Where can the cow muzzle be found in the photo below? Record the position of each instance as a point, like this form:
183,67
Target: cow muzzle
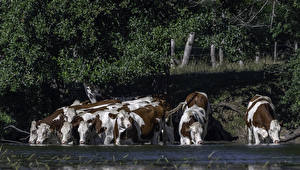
276,141
200,142
82,142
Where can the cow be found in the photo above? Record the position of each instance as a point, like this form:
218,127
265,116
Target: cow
86,121
33,133
90,130
51,125
49,129
149,122
114,118
260,120
194,120
113,124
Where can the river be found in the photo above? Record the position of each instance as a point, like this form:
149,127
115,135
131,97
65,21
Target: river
150,157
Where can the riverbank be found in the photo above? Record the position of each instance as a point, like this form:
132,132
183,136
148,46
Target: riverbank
229,92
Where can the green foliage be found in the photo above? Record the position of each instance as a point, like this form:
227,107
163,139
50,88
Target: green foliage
48,46
291,99
5,118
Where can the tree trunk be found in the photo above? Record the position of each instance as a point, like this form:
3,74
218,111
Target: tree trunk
273,13
275,51
296,46
257,57
188,49
212,55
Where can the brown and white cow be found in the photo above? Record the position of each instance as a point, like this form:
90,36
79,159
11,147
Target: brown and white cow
143,112
87,122
48,129
148,122
193,123
51,126
119,121
260,119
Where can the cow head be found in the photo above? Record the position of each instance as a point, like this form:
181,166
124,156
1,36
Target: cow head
66,131
43,133
123,120
274,131
69,113
83,130
33,133
196,130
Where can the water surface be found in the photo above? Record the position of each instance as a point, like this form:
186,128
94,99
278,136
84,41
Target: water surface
214,156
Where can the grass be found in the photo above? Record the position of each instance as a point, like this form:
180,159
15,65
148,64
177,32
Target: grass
195,67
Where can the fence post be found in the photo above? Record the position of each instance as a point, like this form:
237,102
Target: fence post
275,51
212,55
257,57
173,62
221,54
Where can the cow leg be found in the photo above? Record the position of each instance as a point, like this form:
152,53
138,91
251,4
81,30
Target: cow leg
118,141
169,130
157,131
250,131
256,136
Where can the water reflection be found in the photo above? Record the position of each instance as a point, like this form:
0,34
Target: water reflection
149,157
189,167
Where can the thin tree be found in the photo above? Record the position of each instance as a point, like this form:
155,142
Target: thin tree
188,49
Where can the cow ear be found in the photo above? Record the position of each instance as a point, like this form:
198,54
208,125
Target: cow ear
33,125
281,123
38,123
131,119
113,116
76,121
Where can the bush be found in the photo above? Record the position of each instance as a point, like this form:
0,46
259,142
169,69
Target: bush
291,99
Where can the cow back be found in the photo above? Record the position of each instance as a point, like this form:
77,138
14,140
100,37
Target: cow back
197,98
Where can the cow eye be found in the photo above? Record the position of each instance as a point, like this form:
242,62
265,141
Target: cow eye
122,118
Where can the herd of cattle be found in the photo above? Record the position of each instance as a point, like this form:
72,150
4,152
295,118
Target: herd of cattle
144,120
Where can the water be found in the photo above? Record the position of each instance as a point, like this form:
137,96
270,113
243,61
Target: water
209,156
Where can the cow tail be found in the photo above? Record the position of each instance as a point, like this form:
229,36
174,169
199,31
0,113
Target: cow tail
169,113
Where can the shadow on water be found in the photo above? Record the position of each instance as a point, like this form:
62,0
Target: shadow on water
221,156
